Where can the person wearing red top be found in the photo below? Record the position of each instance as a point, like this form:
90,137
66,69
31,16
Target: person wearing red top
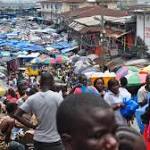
11,96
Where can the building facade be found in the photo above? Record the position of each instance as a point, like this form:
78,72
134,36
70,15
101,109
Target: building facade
143,26
112,4
50,9
143,1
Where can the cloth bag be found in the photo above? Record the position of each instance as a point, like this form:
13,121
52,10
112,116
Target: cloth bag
129,108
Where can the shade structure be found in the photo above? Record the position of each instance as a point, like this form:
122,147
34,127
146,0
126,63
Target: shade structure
46,61
145,69
52,50
124,70
36,60
61,59
49,61
96,75
92,56
108,76
90,74
2,91
68,49
136,79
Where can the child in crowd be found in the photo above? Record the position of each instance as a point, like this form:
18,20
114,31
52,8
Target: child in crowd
99,85
86,122
129,139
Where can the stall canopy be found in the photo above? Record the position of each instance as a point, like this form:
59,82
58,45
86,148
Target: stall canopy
68,49
32,55
21,45
136,79
64,46
3,36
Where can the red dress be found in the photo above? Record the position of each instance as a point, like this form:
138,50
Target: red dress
146,135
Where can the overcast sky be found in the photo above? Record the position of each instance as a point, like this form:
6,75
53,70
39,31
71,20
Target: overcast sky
18,1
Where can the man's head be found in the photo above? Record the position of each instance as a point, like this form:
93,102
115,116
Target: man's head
86,122
113,86
83,80
11,92
123,81
11,108
22,87
46,80
129,139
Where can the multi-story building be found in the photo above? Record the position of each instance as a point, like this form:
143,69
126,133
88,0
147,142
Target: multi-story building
112,4
124,4
143,1
50,9
143,25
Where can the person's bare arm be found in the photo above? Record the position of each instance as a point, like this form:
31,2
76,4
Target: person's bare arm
117,106
6,126
18,124
8,132
19,116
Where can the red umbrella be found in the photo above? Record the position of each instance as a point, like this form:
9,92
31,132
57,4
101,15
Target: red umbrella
61,59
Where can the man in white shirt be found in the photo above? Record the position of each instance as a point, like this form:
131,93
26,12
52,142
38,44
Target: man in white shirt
143,92
123,91
43,105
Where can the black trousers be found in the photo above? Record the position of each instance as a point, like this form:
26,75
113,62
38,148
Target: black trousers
48,146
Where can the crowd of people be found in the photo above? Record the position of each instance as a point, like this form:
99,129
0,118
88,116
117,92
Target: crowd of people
83,116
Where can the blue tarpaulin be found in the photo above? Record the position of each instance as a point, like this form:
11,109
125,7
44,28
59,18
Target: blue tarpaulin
62,45
5,54
21,45
3,36
68,49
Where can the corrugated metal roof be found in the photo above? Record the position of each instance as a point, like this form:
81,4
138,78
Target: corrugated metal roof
96,20
94,10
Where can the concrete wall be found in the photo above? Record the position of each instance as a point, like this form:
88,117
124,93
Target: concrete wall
143,28
112,5
143,1
147,30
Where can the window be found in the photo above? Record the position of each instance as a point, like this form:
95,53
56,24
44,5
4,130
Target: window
58,7
47,6
74,6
